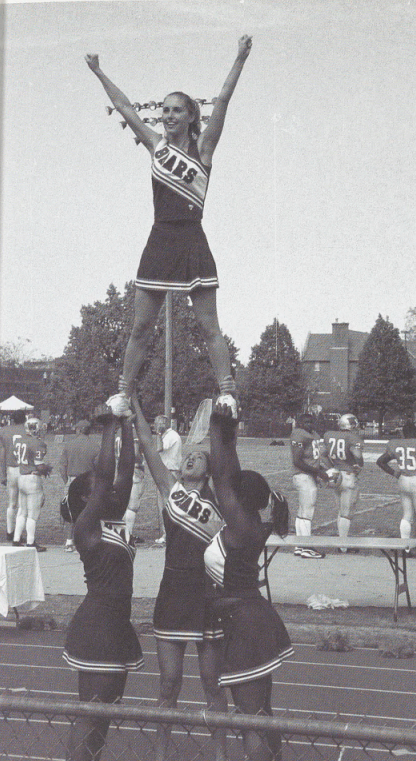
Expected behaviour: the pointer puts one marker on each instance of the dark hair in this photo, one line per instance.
(255, 494)
(194, 128)
(19, 416)
(78, 494)
(409, 430)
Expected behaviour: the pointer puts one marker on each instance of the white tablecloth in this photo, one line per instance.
(20, 579)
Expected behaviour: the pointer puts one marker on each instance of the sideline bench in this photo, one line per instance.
(393, 549)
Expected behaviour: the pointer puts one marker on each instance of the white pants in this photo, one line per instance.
(407, 491)
(307, 490)
(31, 496)
(12, 486)
(346, 494)
(136, 493)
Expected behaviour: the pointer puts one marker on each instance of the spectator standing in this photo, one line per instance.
(78, 457)
(169, 446)
(10, 438)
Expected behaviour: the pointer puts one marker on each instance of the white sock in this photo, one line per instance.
(343, 526)
(405, 529)
(30, 530)
(130, 518)
(20, 524)
(303, 527)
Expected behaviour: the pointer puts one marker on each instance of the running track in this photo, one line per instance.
(357, 685)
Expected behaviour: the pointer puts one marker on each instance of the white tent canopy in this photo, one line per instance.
(12, 404)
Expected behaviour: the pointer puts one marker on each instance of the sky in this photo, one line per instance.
(310, 212)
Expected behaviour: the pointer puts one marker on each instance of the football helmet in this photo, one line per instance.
(348, 422)
(334, 478)
(33, 426)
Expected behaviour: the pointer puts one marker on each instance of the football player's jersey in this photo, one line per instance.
(404, 451)
(10, 436)
(31, 452)
(338, 445)
(309, 444)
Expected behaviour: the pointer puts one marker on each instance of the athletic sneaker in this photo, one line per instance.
(138, 540)
(18, 543)
(37, 547)
(161, 541)
(349, 550)
(298, 551)
(69, 547)
(230, 401)
(119, 405)
(309, 552)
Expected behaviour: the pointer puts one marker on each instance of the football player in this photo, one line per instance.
(344, 451)
(10, 436)
(306, 457)
(403, 453)
(31, 452)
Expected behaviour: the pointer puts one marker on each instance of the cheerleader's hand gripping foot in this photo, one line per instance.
(226, 406)
(119, 405)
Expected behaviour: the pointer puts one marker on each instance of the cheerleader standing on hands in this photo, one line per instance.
(177, 256)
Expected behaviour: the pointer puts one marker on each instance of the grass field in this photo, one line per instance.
(378, 512)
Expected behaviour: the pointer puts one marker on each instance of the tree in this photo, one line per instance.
(411, 323)
(88, 371)
(192, 376)
(275, 385)
(386, 380)
(15, 354)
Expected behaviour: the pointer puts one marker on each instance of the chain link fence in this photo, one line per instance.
(39, 730)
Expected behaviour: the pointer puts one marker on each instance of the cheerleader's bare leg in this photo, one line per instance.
(88, 734)
(170, 656)
(255, 698)
(204, 302)
(209, 656)
(146, 309)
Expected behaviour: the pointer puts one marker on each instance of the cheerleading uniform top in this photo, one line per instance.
(108, 565)
(191, 520)
(234, 570)
(180, 182)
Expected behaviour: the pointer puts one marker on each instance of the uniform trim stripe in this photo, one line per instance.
(256, 672)
(169, 285)
(101, 667)
(179, 636)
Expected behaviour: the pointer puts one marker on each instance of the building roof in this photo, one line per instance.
(318, 346)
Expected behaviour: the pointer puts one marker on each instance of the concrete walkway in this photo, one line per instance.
(361, 580)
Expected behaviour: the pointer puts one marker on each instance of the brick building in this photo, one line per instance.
(330, 363)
